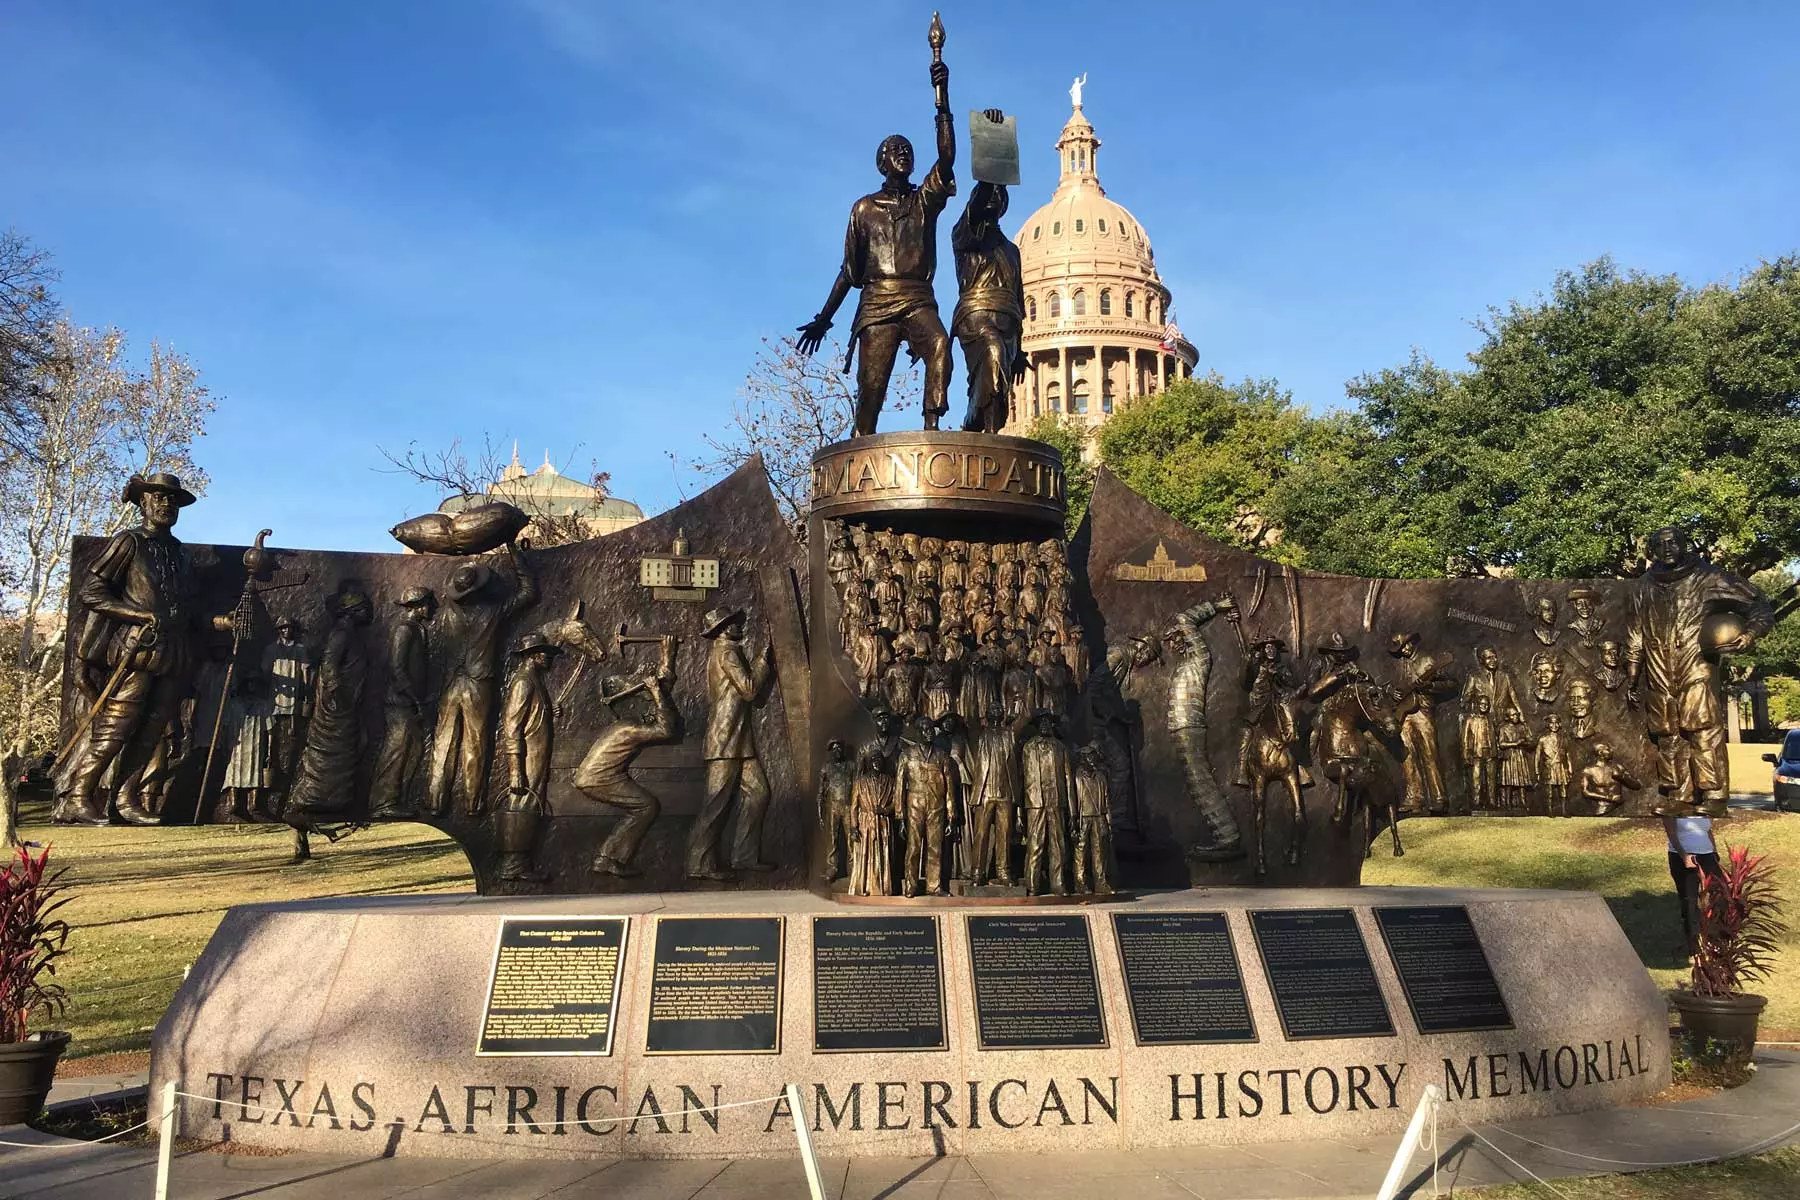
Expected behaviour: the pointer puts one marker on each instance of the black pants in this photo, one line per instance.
(1687, 890)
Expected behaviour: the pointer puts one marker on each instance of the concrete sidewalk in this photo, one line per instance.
(1755, 1117)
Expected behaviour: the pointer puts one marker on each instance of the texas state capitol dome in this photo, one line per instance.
(1097, 328)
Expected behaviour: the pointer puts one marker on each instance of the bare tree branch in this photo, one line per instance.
(790, 405)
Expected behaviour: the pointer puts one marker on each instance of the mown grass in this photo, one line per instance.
(1763, 1177)
(143, 903)
(1624, 861)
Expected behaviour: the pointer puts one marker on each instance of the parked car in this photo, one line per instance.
(1787, 772)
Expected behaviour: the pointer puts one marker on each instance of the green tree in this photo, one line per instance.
(1069, 438)
(1213, 455)
(1621, 402)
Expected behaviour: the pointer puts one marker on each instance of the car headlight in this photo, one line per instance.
(1787, 779)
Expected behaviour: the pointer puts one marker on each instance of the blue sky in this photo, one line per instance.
(571, 222)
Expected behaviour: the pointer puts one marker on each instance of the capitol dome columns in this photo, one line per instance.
(1095, 304)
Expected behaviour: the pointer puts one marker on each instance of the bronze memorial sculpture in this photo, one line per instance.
(922, 828)
(890, 254)
(946, 694)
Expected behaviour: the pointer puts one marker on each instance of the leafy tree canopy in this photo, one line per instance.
(1618, 403)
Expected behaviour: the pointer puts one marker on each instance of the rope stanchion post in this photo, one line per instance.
(165, 1140)
(803, 1135)
(1410, 1141)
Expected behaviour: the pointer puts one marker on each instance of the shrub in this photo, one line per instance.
(32, 939)
(1740, 922)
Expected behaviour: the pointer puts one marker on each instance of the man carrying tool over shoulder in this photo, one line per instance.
(136, 647)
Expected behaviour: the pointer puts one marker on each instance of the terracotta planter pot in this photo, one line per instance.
(27, 1069)
(1724, 1018)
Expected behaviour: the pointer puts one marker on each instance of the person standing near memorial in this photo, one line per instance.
(993, 798)
(1691, 854)
(837, 821)
(325, 781)
(1048, 783)
(1420, 681)
(890, 253)
(1517, 776)
(1093, 823)
(406, 708)
(1554, 768)
(287, 665)
(872, 848)
(734, 689)
(925, 796)
(528, 733)
(1671, 675)
(480, 603)
(138, 636)
(990, 304)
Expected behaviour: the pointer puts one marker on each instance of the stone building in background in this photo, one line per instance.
(1098, 328)
(549, 497)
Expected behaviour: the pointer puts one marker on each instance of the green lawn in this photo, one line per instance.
(144, 902)
(1624, 861)
(1763, 1177)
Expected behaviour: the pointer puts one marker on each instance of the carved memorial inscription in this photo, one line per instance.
(555, 986)
(716, 986)
(1182, 978)
(1319, 971)
(1449, 985)
(877, 984)
(1035, 984)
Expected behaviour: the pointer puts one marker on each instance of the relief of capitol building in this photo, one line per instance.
(1098, 329)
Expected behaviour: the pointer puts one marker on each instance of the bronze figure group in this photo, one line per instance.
(890, 259)
(968, 657)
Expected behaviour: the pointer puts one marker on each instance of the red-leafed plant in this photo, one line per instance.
(32, 938)
(1740, 922)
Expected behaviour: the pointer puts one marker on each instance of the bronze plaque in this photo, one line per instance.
(1182, 978)
(1035, 984)
(555, 986)
(716, 986)
(994, 149)
(1449, 985)
(1319, 971)
(942, 471)
(877, 984)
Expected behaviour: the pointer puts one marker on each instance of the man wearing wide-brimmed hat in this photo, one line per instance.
(480, 601)
(138, 635)
(406, 709)
(733, 690)
(527, 732)
(1419, 682)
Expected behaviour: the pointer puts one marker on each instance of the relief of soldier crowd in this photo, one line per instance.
(968, 657)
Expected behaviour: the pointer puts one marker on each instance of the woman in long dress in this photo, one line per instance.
(871, 849)
(326, 778)
(1517, 777)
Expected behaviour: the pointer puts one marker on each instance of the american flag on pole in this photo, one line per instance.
(1171, 334)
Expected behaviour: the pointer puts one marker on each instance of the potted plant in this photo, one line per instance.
(32, 939)
(1740, 920)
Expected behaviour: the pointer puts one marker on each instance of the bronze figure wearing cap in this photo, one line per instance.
(480, 603)
(135, 651)
(406, 708)
(734, 689)
(528, 732)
